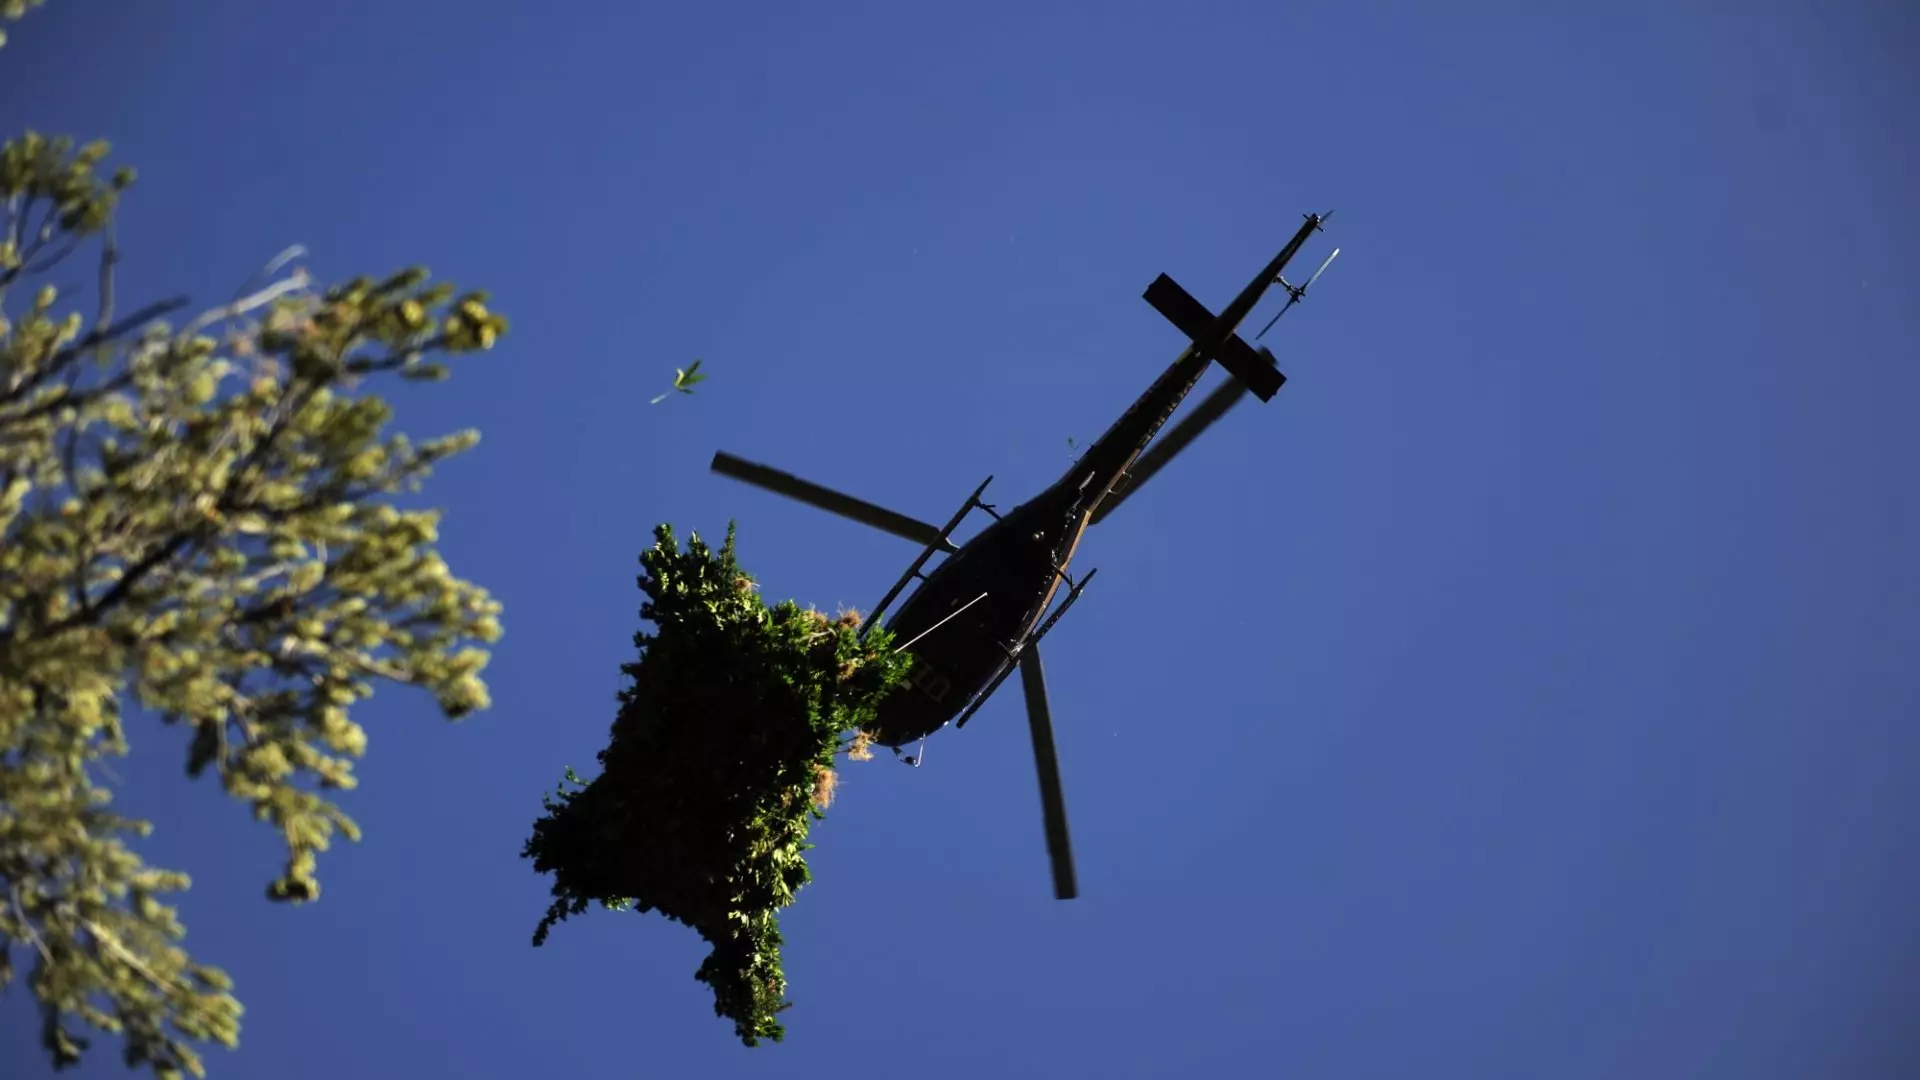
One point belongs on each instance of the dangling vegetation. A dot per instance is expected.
(722, 755)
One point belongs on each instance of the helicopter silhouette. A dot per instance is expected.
(982, 611)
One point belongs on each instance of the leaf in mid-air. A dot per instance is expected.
(684, 380)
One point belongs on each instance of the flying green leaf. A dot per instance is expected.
(684, 380)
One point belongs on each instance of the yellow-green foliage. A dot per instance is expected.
(197, 520)
(13, 10)
(720, 758)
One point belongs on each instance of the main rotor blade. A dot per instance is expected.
(827, 499)
(1047, 762)
(1224, 397)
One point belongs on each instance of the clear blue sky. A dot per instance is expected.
(1530, 690)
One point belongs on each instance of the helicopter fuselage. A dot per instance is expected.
(995, 589)
(990, 594)
(967, 622)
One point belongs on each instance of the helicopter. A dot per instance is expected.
(982, 611)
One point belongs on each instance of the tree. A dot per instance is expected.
(13, 11)
(197, 522)
(721, 755)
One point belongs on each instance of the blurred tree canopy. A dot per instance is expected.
(13, 11)
(721, 755)
(197, 520)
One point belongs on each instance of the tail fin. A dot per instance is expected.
(1256, 369)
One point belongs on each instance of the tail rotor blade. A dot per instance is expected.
(1047, 762)
(1291, 300)
(834, 502)
(1296, 295)
(1224, 397)
(1322, 270)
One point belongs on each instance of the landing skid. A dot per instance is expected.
(913, 571)
(1014, 654)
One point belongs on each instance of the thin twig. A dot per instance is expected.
(109, 256)
(238, 706)
(55, 259)
(107, 938)
(20, 912)
(19, 209)
(66, 356)
(245, 304)
(292, 252)
(24, 251)
(16, 219)
(69, 454)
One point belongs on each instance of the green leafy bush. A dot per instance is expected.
(721, 756)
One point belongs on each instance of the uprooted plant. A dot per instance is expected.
(721, 756)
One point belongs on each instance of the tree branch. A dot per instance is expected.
(106, 937)
(66, 356)
(83, 557)
(20, 912)
(92, 611)
(53, 260)
(245, 304)
(19, 208)
(16, 226)
(23, 250)
(109, 257)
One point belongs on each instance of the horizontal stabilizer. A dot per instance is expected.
(1178, 305)
(1255, 369)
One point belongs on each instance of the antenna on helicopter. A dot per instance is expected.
(1296, 293)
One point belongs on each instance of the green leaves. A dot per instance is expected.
(684, 380)
(721, 757)
(13, 10)
(200, 520)
(58, 196)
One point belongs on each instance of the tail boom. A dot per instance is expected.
(1214, 336)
